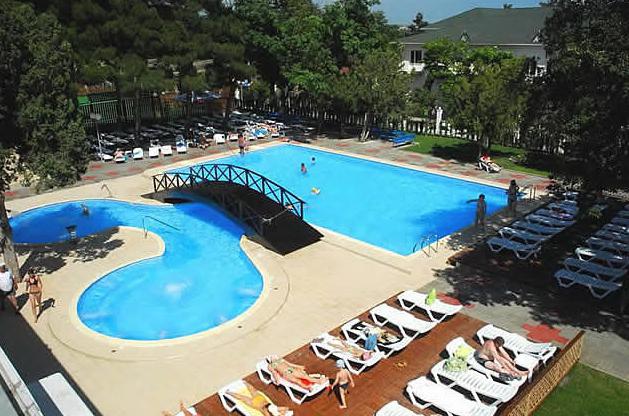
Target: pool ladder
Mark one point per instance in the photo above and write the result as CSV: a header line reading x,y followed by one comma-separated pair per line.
x,y
155,219
425,244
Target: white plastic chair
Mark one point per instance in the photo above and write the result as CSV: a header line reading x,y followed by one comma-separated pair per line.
x,y
407,324
394,409
521,250
411,299
326,345
354,331
517,343
598,288
425,393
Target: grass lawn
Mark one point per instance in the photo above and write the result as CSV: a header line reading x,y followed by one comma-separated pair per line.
x,y
466,151
586,391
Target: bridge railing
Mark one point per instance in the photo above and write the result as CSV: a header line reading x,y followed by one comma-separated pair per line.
x,y
252,180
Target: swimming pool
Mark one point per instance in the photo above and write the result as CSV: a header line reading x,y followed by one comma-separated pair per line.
x,y
384,205
202,280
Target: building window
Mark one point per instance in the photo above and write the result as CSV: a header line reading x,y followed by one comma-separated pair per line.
x,y
417,56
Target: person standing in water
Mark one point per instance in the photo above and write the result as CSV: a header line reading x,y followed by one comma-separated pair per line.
x,y
303,168
512,197
481,210
242,144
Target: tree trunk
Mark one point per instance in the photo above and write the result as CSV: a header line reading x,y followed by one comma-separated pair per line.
x,y
136,112
228,105
187,122
364,135
6,241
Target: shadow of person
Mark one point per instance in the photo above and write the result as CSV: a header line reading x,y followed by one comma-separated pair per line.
x,y
22,300
48,303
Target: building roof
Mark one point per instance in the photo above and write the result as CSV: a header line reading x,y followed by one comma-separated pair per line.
x,y
484,26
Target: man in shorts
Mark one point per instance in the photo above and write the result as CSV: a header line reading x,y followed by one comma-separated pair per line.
x,y
7,288
343,380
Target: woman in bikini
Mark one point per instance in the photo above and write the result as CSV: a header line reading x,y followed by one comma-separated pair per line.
x,y
259,402
34,288
282,369
494,357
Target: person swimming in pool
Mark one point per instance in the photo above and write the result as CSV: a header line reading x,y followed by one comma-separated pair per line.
x,y
313,161
258,401
304,170
315,191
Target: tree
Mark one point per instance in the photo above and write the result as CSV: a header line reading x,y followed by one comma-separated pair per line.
x,y
484,90
43,138
418,23
580,104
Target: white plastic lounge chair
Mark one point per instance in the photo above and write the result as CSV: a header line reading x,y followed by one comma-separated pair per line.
x,y
451,402
613,228
475,365
407,324
394,409
597,270
120,157
65,399
230,403
612,236
411,299
623,214
521,250
297,393
606,245
522,235
355,329
535,228
167,150
548,221
543,351
620,221
153,152
598,288
562,216
232,137
326,345
181,147
219,138
571,209
138,153
191,409
474,382
610,259
571,195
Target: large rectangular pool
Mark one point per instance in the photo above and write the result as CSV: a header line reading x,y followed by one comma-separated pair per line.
x,y
384,205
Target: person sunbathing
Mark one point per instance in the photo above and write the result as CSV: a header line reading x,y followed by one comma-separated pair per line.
x,y
485,160
184,411
294,373
494,357
357,352
258,401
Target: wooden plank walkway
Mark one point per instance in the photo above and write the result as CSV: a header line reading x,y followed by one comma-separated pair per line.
x,y
375,387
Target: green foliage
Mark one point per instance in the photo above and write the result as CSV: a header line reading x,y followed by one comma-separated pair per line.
x,y
43,137
483,90
580,105
420,102
418,23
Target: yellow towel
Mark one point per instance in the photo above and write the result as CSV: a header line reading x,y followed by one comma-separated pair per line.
x,y
250,410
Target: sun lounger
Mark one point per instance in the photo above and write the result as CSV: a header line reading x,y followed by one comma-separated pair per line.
x,y
232,137
297,393
394,409
548,221
623,214
120,157
620,221
614,228
192,410
571,209
610,259
521,250
138,153
488,166
516,343
411,299
598,288
475,365
595,269
355,331
230,403
167,150
562,216
153,152
407,324
612,236
326,345
219,138
606,245
425,393
535,228
66,401
181,147
474,382
524,236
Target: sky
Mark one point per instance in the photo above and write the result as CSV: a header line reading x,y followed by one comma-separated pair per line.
x,y
404,11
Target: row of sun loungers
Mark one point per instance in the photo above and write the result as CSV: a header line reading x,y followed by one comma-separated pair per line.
x,y
602,265
484,386
525,237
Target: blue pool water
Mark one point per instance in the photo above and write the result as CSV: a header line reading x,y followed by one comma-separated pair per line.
x,y
384,205
202,280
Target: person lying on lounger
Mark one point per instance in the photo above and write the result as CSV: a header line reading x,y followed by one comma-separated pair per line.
x,y
258,401
485,163
494,357
296,374
184,411
357,352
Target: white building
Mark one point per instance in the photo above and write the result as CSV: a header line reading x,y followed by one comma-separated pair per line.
x,y
513,29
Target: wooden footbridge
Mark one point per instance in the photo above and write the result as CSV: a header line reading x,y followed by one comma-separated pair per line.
x,y
272,211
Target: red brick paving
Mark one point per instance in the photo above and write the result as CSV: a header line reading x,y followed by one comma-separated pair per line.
x,y
544,333
434,166
112,173
88,178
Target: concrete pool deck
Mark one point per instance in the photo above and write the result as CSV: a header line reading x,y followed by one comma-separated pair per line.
x,y
309,292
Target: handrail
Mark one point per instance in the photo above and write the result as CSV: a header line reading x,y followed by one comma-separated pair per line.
x,y
155,219
425,241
